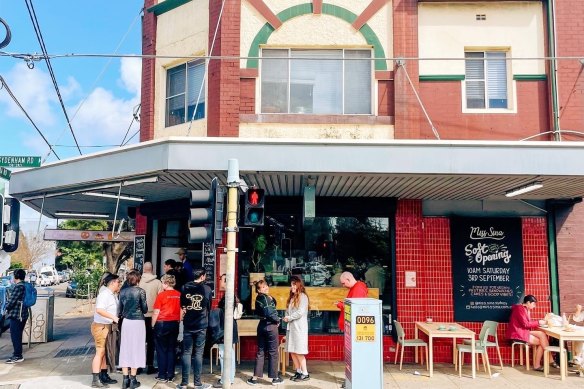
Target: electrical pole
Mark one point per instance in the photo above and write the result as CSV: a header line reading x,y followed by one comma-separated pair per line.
x,y
232,202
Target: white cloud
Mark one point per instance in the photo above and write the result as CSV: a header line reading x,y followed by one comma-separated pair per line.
x,y
131,74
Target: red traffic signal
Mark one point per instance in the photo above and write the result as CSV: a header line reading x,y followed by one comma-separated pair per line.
x,y
254,207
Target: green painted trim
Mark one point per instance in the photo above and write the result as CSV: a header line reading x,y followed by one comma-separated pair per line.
x,y
328,9
530,77
166,5
553,260
443,77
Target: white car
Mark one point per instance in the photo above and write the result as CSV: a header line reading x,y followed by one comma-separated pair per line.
x,y
43,280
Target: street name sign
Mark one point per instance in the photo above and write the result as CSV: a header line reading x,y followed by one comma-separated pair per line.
x,y
19,161
5,173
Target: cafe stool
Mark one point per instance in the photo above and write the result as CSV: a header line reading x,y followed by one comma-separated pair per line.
x,y
215,347
521,345
546,359
283,354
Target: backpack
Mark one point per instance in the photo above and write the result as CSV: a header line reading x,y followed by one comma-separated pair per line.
x,y
30,295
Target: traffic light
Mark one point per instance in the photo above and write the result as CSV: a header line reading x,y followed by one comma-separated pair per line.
x,y
254,207
206,215
10,224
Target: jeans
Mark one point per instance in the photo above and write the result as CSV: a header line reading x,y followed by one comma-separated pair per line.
x,y
267,342
16,328
193,355
221,352
149,342
165,334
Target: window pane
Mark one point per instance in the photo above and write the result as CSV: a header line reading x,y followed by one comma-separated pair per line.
x,y
358,82
175,83
316,85
475,94
274,78
497,80
175,110
474,66
196,79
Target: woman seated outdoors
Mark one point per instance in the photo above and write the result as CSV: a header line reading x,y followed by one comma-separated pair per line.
x,y
521,328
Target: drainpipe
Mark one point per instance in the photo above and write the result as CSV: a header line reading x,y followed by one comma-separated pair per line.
x,y
553,258
552,43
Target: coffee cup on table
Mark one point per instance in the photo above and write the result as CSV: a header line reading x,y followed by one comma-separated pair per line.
x,y
429,319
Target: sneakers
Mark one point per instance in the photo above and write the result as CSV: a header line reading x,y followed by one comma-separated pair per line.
x,y
219,384
13,360
182,386
203,386
252,381
295,376
301,377
160,379
277,381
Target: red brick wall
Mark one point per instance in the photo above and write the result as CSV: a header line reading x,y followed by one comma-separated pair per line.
x,y
446,113
247,95
385,98
405,44
148,68
569,27
224,83
570,235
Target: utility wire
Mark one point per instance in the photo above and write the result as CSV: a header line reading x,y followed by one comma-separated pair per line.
x,y
39,35
134,117
5,85
132,137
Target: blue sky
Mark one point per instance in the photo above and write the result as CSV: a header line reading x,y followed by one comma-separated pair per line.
x,y
105,102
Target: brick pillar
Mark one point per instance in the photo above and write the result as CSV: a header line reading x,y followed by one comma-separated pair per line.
x,y
223,78
148,67
405,43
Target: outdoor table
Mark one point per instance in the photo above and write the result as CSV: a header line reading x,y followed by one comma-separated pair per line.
x,y
431,329
577,334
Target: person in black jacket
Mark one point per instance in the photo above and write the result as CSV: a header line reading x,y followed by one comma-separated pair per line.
x,y
18,315
265,308
195,302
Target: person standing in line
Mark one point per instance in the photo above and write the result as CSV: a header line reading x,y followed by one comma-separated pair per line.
x,y
187,267
152,286
297,333
267,335
18,315
195,301
106,315
133,306
165,319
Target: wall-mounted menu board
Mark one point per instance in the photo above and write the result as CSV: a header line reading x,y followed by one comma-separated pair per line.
x,y
487,267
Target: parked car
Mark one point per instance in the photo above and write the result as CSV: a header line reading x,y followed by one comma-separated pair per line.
x,y
6,281
43,280
71,289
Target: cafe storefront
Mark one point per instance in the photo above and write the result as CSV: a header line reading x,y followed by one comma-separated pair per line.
x,y
432,235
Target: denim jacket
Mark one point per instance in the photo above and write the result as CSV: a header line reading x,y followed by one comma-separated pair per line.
x,y
133,304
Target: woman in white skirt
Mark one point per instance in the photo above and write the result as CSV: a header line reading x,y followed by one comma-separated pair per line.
x,y
297,333
133,339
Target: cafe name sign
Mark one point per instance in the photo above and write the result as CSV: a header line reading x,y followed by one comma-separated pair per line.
x,y
487,267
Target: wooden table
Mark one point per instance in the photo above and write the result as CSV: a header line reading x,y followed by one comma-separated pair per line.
x,y
245,327
431,329
563,335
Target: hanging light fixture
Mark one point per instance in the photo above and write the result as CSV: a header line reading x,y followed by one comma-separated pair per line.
x,y
524,189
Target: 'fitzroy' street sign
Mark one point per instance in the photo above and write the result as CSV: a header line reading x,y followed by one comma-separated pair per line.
x,y
19,161
5,173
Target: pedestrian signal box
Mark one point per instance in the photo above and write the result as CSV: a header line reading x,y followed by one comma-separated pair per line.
x,y
254,207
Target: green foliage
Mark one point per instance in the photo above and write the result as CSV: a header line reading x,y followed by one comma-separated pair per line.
x,y
16,265
80,254
88,281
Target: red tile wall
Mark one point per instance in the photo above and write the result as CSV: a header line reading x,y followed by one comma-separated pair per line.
x,y
247,95
148,70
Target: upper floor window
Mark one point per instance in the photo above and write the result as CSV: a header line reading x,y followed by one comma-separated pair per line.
x,y
316,81
486,80
183,89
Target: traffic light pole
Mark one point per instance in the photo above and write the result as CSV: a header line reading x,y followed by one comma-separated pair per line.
x,y
232,201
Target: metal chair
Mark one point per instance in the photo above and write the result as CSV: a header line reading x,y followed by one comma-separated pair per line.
x,y
401,340
492,326
480,348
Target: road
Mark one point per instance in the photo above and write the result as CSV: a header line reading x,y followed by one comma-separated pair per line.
x,y
64,305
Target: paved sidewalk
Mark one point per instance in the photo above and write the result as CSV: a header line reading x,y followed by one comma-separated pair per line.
x,y
66,363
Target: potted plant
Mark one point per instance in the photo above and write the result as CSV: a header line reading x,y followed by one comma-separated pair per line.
x,y
257,271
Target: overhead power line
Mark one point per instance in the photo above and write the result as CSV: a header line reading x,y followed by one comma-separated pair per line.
x,y
5,85
39,35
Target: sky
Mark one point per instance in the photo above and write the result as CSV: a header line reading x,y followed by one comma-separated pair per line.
x,y
100,94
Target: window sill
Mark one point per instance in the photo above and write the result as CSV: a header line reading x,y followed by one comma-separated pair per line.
x,y
488,111
316,119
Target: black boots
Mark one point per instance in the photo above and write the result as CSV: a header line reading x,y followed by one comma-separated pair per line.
x,y
125,382
105,378
134,382
96,383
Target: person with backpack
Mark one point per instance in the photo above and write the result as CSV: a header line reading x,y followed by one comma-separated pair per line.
x,y
23,296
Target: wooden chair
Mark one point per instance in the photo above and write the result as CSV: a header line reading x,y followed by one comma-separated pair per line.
x,y
480,348
283,354
522,346
214,348
546,359
492,327
401,340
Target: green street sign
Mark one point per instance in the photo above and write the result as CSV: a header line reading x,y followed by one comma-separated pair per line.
x,y
19,161
5,173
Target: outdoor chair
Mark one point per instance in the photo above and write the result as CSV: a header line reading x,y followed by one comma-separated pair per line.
x,y
401,340
546,359
214,348
283,356
521,345
492,326
480,348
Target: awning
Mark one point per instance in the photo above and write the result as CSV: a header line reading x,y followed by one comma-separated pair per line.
x,y
167,169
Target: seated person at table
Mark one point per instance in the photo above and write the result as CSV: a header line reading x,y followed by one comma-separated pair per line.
x,y
577,349
522,328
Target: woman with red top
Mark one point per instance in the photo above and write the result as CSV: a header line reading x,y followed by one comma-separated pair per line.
x,y
521,328
165,320
356,288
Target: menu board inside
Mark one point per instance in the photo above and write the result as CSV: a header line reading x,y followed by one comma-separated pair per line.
x,y
487,267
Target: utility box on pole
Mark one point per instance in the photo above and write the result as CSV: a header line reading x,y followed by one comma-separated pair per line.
x,y
363,344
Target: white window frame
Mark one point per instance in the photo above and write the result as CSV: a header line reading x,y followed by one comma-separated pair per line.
x,y
373,83
203,99
511,86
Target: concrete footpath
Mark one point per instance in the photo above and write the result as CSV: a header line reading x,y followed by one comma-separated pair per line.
x,y
66,363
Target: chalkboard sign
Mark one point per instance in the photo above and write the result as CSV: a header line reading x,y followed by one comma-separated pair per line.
x,y
487,267
209,265
139,252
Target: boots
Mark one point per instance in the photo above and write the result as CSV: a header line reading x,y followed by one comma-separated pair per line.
x,y
105,378
134,382
96,383
125,382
